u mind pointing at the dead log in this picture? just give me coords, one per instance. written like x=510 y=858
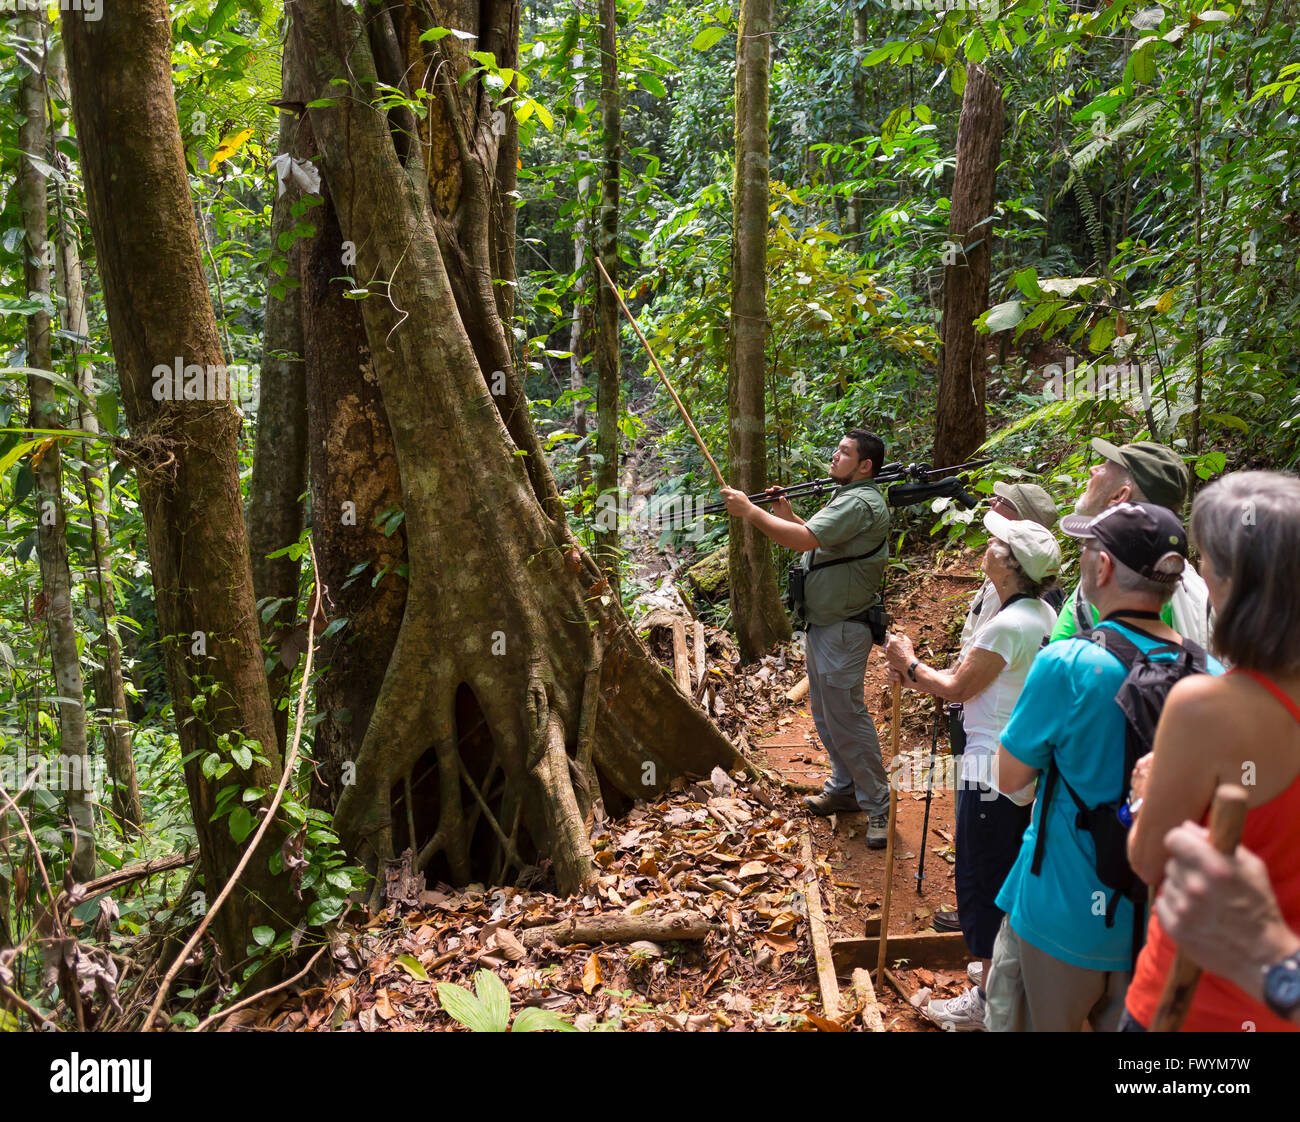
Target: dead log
x=701 y=661
x=681 y=660
x=798 y=691
x=866 y=996
x=619 y=929
x=826 y=981
x=934 y=950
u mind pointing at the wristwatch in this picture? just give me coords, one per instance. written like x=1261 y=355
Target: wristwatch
x=911 y=670
x=1282 y=986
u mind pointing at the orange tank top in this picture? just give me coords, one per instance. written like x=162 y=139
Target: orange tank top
x=1272 y=832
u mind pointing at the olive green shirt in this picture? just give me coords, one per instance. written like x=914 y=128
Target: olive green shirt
x=855 y=521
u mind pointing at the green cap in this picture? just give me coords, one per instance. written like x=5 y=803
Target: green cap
x=1158 y=470
x=1030 y=501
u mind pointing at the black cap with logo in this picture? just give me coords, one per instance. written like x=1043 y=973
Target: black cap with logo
x=1145 y=537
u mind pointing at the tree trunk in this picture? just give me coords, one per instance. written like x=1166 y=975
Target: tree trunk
x=275 y=509
x=507 y=629
x=607 y=345
x=756 y=608
x=108 y=682
x=960 y=424
x=47 y=465
x=184 y=452
x=583 y=323
x=853 y=221
x=354 y=480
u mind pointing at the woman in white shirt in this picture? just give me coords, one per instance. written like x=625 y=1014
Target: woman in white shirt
x=1021 y=563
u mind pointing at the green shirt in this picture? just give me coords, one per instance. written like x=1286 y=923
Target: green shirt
x=855 y=521
x=1067 y=623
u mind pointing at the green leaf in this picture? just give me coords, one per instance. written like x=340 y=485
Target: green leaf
x=1102 y=335
x=464 y=1007
x=540 y=1020
x=1002 y=316
x=706 y=38
x=243 y=757
x=495 y=997
x=241 y=824
x=652 y=83
x=263 y=936
x=1211 y=464
x=412 y=966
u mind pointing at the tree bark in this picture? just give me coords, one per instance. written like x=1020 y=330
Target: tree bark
x=583 y=323
x=47 y=464
x=756 y=608
x=184 y=452
x=507 y=625
x=607 y=344
x=960 y=421
x=109 y=681
x=275 y=508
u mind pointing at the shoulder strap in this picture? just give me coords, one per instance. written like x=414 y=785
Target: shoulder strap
x=1082 y=613
x=1273 y=688
x=1049 y=785
x=845 y=560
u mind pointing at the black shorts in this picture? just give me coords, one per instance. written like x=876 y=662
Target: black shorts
x=989 y=831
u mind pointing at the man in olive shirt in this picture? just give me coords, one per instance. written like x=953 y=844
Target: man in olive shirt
x=1144 y=472
x=846 y=546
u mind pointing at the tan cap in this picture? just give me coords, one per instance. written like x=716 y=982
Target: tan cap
x=1030 y=501
x=1032 y=545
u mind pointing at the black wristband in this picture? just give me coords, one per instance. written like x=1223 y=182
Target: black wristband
x=911 y=670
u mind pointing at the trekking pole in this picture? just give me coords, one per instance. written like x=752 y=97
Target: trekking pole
x=889 y=850
x=660 y=371
x=929 y=792
x=1227 y=817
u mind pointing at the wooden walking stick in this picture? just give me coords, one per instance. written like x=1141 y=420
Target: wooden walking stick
x=662 y=376
x=1227 y=818
x=889 y=848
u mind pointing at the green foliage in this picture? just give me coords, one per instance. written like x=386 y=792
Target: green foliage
x=488 y=1008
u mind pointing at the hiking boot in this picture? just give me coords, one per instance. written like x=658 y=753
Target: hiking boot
x=945 y=919
x=828 y=803
x=878 y=831
x=959 y=1014
x=975 y=972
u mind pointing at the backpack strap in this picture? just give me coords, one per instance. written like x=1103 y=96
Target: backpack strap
x=846 y=560
x=1082 y=614
x=1040 y=842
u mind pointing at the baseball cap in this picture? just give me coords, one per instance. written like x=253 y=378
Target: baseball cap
x=1030 y=501
x=1158 y=470
x=1149 y=539
x=1032 y=545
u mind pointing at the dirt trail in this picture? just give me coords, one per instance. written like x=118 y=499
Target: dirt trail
x=928 y=607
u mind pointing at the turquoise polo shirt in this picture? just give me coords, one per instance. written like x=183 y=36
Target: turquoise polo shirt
x=1067 y=712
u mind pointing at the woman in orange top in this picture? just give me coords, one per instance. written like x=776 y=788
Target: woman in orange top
x=1243 y=728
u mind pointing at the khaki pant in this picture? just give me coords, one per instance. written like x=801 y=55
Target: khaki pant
x=1030 y=991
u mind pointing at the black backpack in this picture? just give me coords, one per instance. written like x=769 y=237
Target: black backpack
x=1141 y=696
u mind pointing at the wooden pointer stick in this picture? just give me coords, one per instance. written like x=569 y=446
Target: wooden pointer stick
x=889 y=851
x=1227 y=817
x=662 y=376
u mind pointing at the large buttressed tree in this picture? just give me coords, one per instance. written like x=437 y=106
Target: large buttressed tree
x=516 y=694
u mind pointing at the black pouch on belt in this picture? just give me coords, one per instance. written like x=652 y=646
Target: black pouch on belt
x=956 y=730
x=794 y=593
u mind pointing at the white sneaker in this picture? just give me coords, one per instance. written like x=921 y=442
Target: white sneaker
x=975 y=972
x=959 y=1014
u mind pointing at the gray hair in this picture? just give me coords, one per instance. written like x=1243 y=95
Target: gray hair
x=1248 y=525
x=1130 y=580
x=1025 y=584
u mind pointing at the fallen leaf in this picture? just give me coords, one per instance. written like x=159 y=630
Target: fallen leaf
x=591 y=975
x=412 y=966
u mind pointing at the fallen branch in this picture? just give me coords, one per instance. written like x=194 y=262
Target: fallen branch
x=826 y=981
x=244 y=1003
x=619 y=929
x=865 y=993
x=119 y=877
x=681 y=660
x=798 y=691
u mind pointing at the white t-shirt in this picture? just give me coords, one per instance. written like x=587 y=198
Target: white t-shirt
x=982 y=609
x=1016 y=633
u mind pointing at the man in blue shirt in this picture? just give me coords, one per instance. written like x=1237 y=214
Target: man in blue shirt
x=1056 y=962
